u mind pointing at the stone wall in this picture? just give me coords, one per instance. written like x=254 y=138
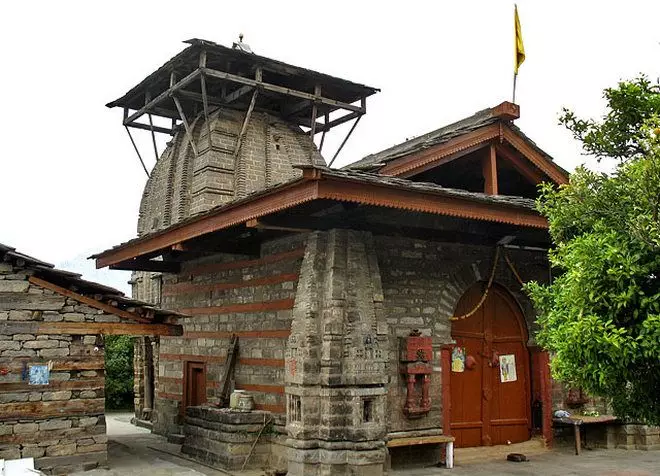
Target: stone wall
x=230 y=294
x=60 y=424
x=422 y=283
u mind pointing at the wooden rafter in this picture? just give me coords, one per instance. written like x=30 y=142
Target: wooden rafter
x=89 y=328
x=419 y=162
x=205 y=102
x=547 y=166
x=86 y=300
x=525 y=168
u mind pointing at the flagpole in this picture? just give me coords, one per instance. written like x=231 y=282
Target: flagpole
x=515 y=76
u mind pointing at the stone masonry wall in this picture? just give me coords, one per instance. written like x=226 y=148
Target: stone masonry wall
x=422 y=283
x=60 y=424
x=225 y=295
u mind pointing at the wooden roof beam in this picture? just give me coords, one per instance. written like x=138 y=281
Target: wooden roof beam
x=86 y=300
x=547 y=166
x=422 y=161
x=89 y=328
x=525 y=169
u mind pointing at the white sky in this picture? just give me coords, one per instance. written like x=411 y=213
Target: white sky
x=70 y=181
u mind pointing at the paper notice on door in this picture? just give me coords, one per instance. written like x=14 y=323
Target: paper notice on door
x=508 y=368
x=458 y=359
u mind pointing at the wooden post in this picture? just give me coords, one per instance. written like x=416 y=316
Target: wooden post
x=248 y=114
x=317 y=93
x=489 y=168
x=179 y=108
x=205 y=100
x=137 y=151
x=345 y=140
x=325 y=129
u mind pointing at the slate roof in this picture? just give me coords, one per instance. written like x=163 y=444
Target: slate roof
x=480 y=119
x=74 y=281
x=425 y=187
x=352 y=175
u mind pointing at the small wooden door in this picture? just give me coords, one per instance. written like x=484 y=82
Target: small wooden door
x=490 y=402
x=194 y=390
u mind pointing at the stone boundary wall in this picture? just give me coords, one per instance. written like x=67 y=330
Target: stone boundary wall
x=422 y=283
x=225 y=295
x=60 y=424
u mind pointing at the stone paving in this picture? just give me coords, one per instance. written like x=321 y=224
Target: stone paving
x=135 y=451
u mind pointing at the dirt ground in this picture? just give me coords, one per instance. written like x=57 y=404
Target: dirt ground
x=135 y=451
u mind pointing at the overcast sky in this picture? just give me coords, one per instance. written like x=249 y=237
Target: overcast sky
x=71 y=182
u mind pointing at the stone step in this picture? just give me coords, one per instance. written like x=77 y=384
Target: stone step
x=175 y=438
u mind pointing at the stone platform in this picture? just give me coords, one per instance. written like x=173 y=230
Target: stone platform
x=225 y=438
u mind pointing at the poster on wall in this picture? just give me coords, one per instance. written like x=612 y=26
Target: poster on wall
x=458 y=359
x=508 y=368
x=38 y=375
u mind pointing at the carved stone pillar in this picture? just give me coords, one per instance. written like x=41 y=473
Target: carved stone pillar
x=336 y=359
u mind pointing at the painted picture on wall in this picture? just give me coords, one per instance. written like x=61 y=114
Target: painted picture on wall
x=458 y=359
x=38 y=375
x=508 y=368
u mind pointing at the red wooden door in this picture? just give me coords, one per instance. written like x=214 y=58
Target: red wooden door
x=490 y=401
x=194 y=384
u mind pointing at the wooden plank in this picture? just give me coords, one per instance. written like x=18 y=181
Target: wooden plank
x=162 y=96
x=420 y=440
x=546 y=165
x=192 y=288
x=148 y=265
x=278 y=305
x=243 y=264
x=240 y=92
x=260 y=225
x=489 y=169
x=341 y=146
x=261 y=334
x=525 y=168
x=228 y=372
x=281 y=90
x=43 y=410
x=82 y=384
x=392 y=197
x=186 y=126
x=86 y=300
x=89 y=328
x=16 y=364
x=252 y=362
x=418 y=162
x=147 y=127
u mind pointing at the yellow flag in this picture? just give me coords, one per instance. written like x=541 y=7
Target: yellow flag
x=520 y=48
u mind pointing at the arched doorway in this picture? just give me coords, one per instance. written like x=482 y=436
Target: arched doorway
x=489 y=383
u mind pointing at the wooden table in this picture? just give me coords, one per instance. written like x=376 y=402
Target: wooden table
x=578 y=421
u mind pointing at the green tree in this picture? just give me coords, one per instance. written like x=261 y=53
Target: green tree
x=118 y=372
x=601 y=316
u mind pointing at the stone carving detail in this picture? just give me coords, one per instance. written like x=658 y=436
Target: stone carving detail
x=336 y=358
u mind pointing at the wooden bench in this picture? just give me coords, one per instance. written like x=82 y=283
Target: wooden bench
x=446 y=440
x=578 y=422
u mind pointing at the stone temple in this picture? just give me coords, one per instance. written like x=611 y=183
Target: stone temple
x=375 y=312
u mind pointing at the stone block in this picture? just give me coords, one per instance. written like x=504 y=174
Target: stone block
x=88 y=421
x=41 y=344
x=20 y=315
x=91 y=448
x=88 y=394
x=14 y=397
x=12 y=286
x=73 y=317
x=6 y=429
x=61 y=449
x=23 y=428
x=59 y=352
x=32 y=452
x=9 y=345
x=10 y=453
x=23 y=337
x=59 y=395
x=55 y=425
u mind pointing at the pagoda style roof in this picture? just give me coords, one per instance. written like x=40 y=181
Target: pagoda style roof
x=208 y=74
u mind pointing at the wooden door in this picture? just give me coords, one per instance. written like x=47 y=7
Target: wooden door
x=194 y=390
x=490 y=403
